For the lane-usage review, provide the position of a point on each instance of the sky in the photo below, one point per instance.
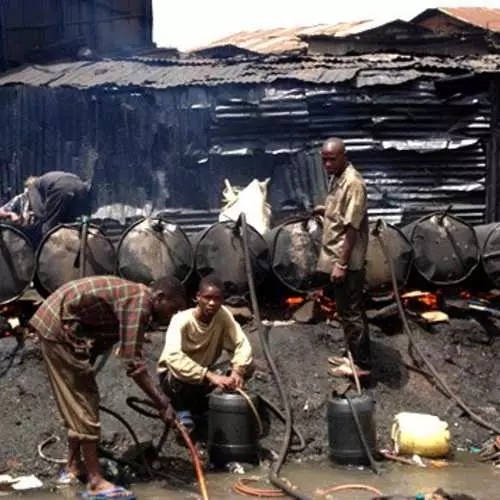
(188, 24)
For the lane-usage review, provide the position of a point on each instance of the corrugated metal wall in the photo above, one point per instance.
(173, 148)
(47, 25)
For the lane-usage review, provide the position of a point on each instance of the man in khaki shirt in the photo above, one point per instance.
(194, 342)
(343, 253)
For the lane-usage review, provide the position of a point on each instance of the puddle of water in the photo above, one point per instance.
(463, 476)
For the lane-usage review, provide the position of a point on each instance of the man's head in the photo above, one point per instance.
(169, 297)
(333, 156)
(30, 181)
(210, 297)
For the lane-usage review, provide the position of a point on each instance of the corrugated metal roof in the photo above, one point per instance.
(369, 69)
(286, 39)
(484, 17)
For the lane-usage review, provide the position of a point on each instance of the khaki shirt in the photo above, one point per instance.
(192, 347)
(345, 205)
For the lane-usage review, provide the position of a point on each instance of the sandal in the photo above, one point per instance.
(114, 492)
(70, 478)
(338, 360)
(346, 371)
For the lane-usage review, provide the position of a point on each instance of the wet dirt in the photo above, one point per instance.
(464, 476)
(461, 350)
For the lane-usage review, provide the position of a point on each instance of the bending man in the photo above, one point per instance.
(78, 322)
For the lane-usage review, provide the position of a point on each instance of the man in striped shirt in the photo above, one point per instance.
(78, 322)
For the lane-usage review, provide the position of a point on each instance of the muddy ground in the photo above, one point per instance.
(461, 350)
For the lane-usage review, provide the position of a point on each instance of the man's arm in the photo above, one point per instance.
(134, 315)
(238, 344)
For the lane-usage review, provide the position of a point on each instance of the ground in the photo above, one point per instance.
(460, 350)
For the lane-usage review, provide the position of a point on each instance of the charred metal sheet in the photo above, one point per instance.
(373, 69)
(172, 148)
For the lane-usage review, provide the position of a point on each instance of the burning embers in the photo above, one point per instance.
(422, 306)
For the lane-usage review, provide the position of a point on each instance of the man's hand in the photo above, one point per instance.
(220, 381)
(338, 274)
(167, 414)
(238, 380)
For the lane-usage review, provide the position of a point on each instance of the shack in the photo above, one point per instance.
(165, 133)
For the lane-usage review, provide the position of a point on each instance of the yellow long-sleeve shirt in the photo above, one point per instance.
(191, 347)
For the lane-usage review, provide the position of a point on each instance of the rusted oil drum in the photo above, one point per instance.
(294, 248)
(445, 247)
(17, 262)
(488, 237)
(218, 251)
(378, 271)
(152, 248)
(59, 256)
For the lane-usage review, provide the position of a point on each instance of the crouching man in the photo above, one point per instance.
(194, 342)
(78, 322)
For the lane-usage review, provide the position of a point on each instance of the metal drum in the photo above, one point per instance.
(446, 248)
(59, 256)
(294, 248)
(219, 252)
(152, 248)
(378, 272)
(17, 262)
(488, 236)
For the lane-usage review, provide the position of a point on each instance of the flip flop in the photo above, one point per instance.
(338, 360)
(115, 492)
(346, 371)
(70, 479)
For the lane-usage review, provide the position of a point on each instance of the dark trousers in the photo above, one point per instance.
(186, 396)
(349, 298)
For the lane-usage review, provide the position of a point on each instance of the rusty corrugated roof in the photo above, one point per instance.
(279, 40)
(483, 17)
(389, 69)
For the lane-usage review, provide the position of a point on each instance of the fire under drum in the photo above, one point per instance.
(378, 271)
(153, 248)
(446, 248)
(59, 256)
(17, 263)
(294, 248)
(219, 252)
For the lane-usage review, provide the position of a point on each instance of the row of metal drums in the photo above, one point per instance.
(439, 249)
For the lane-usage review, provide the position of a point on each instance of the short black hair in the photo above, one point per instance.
(211, 281)
(170, 286)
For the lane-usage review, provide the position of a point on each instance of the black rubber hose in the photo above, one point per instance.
(413, 344)
(361, 434)
(273, 471)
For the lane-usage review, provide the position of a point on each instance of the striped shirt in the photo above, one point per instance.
(99, 310)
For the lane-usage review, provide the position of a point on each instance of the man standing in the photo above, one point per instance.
(78, 322)
(343, 253)
(194, 341)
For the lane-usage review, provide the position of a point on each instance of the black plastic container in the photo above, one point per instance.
(233, 432)
(345, 444)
